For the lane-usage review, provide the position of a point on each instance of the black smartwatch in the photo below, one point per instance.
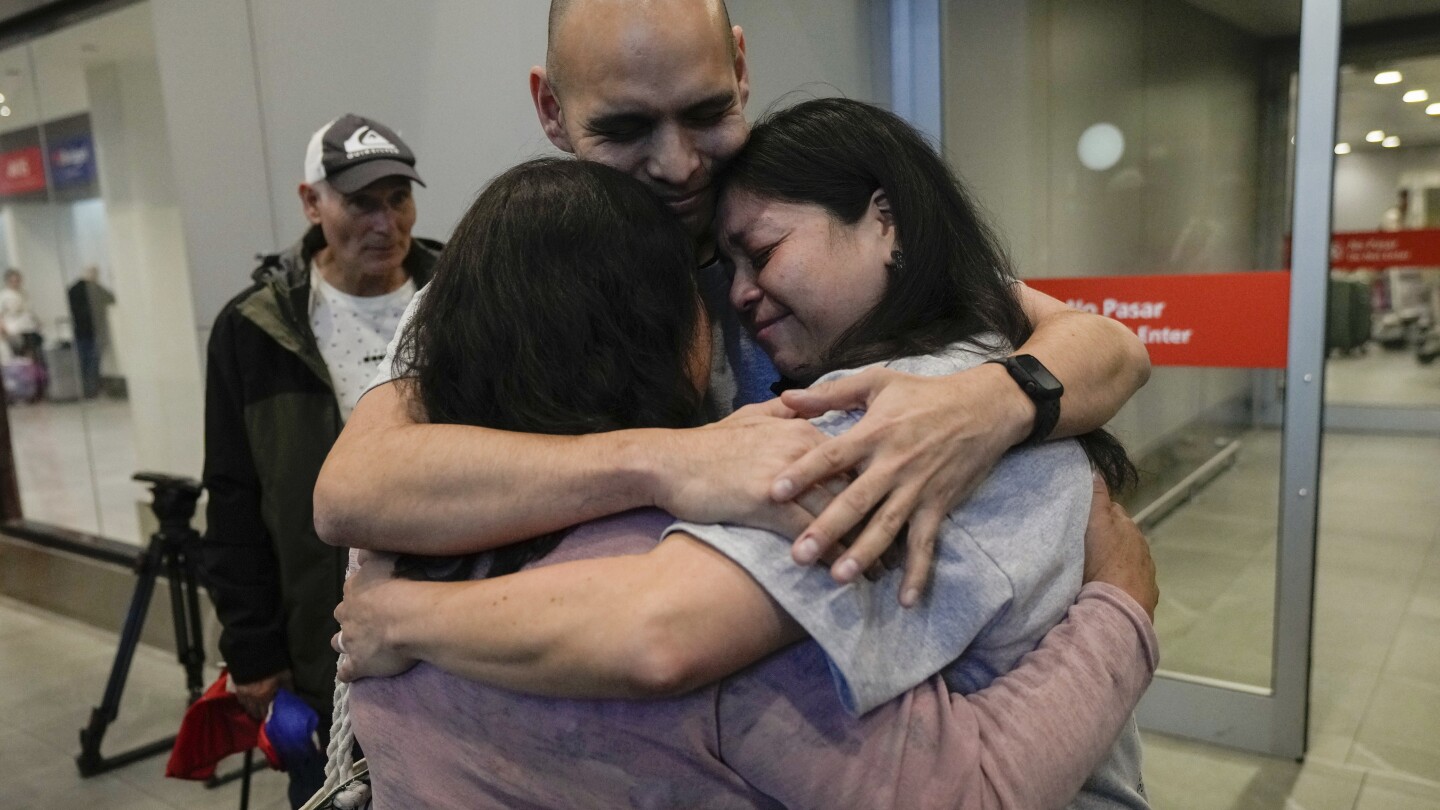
(1043, 389)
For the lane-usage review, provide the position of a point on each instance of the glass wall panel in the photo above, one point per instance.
(1386, 277)
(87, 214)
(1121, 144)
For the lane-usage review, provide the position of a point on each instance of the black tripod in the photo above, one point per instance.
(170, 550)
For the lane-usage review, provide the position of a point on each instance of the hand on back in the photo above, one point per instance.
(363, 621)
(722, 472)
(923, 445)
(1117, 553)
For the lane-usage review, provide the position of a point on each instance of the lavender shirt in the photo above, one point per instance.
(775, 735)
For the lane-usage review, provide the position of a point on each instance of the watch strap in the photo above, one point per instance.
(1047, 403)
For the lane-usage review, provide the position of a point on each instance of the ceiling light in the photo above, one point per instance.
(1342, 148)
(1433, 109)
(1375, 135)
(1412, 96)
(2, 98)
(1101, 146)
(1392, 141)
(5, 111)
(1388, 77)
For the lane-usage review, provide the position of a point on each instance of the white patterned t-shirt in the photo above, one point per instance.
(353, 332)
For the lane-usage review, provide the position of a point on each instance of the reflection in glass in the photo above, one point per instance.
(1133, 139)
(1383, 338)
(87, 212)
(1101, 147)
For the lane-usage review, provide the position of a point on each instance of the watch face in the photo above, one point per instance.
(1045, 382)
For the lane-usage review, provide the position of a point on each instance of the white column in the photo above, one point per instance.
(153, 318)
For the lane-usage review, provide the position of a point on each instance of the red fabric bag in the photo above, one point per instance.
(214, 727)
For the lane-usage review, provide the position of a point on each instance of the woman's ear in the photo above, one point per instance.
(880, 207)
(881, 214)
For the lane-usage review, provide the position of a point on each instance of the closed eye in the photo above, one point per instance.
(762, 257)
(620, 127)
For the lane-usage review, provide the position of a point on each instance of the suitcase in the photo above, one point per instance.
(1337, 315)
(24, 379)
(1360, 313)
(1347, 322)
(63, 364)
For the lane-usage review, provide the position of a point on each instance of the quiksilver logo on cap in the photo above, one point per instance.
(366, 141)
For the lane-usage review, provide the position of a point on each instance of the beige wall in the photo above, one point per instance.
(247, 81)
(1366, 183)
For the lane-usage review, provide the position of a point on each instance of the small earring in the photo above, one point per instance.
(897, 261)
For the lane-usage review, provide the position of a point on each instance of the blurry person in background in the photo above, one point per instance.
(88, 300)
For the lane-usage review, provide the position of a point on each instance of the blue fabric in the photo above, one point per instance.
(740, 371)
(754, 373)
(291, 728)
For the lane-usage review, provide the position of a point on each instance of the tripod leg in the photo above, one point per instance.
(185, 616)
(195, 667)
(89, 759)
(245, 780)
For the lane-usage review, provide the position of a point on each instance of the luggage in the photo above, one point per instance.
(1347, 321)
(1360, 312)
(63, 363)
(1429, 347)
(24, 379)
(1337, 316)
(1390, 331)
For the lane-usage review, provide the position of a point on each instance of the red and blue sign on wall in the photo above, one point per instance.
(72, 162)
(22, 171)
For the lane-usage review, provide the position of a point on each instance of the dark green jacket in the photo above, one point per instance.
(270, 419)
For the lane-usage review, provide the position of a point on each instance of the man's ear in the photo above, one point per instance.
(310, 202)
(742, 68)
(547, 107)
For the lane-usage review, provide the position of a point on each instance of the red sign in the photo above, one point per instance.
(1385, 249)
(22, 171)
(1216, 320)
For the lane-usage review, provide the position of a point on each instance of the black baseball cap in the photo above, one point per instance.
(352, 152)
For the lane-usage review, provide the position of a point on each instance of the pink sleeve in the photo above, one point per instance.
(1028, 740)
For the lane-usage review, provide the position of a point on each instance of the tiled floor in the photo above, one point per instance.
(52, 672)
(1382, 377)
(1375, 697)
(74, 461)
(1216, 558)
(1375, 713)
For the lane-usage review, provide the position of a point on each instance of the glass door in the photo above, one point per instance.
(1137, 157)
(1384, 344)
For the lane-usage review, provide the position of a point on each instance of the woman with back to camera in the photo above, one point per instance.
(693, 610)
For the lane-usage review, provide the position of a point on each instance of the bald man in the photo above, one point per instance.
(657, 88)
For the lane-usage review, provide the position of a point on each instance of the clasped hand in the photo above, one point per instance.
(363, 621)
(923, 445)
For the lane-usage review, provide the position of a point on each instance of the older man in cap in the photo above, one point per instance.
(288, 358)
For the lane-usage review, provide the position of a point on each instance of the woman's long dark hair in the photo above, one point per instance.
(564, 303)
(956, 283)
